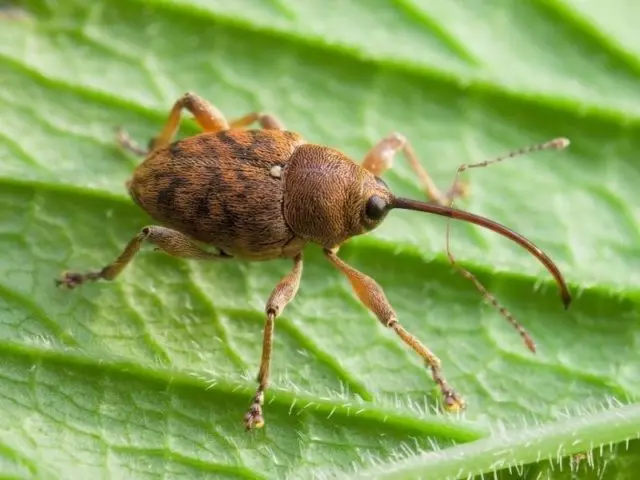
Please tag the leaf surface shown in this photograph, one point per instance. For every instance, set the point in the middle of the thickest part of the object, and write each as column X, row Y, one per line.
column 149, row 376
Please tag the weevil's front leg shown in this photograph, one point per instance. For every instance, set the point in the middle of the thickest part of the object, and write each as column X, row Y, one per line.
column 280, row 297
column 265, row 120
column 380, row 158
column 373, row 297
column 207, row 116
column 169, row 241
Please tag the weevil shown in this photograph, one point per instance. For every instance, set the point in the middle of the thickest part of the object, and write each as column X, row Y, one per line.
column 263, row 194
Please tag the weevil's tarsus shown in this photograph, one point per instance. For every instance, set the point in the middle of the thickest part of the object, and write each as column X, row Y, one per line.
column 73, row 279
column 125, row 141
column 281, row 295
column 373, row 297
column 165, row 239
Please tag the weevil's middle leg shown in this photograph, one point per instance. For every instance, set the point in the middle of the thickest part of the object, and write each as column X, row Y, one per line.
column 207, row 116
column 373, row 297
column 380, row 158
column 169, row 241
column 265, row 120
column 280, row 297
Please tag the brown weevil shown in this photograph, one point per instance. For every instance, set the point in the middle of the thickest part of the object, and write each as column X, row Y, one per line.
column 263, row 194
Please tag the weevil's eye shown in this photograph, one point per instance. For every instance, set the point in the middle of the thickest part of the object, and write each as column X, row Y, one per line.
column 376, row 207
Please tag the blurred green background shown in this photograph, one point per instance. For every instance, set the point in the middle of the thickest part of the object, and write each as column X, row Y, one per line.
column 149, row 377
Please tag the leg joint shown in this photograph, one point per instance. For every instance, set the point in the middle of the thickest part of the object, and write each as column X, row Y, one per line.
column 390, row 322
column 187, row 99
column 397, row 139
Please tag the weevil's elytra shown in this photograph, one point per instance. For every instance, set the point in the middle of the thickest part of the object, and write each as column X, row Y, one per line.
column 263, row 194
column 232, row 205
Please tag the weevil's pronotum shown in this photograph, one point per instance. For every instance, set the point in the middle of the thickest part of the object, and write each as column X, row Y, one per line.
column 262, row 194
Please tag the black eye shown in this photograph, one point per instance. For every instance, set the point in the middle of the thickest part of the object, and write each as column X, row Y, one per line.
column 376, row 207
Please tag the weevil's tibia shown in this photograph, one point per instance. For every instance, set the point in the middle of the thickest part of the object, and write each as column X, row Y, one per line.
column 450, row 399
column 281, row 295
column 373, row 297
column 557, row 143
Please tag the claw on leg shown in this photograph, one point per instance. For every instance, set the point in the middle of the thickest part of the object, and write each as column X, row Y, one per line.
column 72, row 280
column 253, row 418
column 125, row 141
column 452, row 402
column 281, row 295
column 372, row 296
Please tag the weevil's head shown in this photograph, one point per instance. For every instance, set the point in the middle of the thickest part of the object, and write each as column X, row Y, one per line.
column 329, row 198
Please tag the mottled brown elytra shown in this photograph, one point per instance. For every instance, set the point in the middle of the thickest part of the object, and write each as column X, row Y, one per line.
column 264, row 194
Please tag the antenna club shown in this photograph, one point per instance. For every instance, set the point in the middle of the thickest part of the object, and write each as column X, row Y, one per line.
column 530, row 344
column 559, row 143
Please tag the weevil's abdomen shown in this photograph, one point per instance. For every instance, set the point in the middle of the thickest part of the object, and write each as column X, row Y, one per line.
column 224, row 189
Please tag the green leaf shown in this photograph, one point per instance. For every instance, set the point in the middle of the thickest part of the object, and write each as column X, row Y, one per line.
column 149, row 376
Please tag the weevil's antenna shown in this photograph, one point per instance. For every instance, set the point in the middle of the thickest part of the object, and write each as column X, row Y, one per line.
column 446, row 211
column 558, row 144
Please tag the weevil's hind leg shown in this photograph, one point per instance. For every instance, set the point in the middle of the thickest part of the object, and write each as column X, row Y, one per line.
column 169, row 241
column 280, row 297
column 126, row 142
column 206, row 115
column 373, row 297
column 265, row 120
column 380, row 158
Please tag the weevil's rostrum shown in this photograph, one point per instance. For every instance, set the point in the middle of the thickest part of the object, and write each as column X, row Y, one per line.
column 262, row 194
